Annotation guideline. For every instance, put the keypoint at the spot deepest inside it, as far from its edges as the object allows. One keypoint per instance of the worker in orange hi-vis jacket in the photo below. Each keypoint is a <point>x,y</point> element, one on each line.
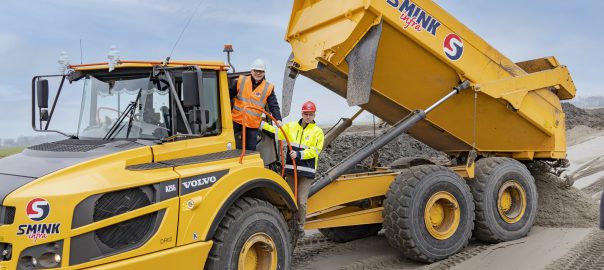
<point>252,91</point>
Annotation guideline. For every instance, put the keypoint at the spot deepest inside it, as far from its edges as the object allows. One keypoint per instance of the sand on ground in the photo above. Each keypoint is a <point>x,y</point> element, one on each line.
<point>536,251</point>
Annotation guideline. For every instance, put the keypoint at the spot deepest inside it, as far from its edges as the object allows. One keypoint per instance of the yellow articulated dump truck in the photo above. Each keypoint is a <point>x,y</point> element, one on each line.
<point>151,179</point>
<point>415,66</point>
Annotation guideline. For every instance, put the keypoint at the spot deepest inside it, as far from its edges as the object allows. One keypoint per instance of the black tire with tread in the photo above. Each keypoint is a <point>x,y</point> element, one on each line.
<point>350,233</point>
<point>404,207</point>
<point>490,175</point>
<point>244,218</point>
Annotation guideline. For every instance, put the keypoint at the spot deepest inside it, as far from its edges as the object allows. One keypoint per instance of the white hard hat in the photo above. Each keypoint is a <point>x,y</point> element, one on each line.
<point>258,65</point>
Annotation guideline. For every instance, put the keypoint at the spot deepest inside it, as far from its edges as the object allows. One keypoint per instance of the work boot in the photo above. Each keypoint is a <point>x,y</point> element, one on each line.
<point>301,219</point>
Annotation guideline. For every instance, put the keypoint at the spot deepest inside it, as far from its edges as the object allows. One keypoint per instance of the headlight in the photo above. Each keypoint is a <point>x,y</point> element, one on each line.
<point>50,260</point>
<point>43,256</point>
<point>27,263</point>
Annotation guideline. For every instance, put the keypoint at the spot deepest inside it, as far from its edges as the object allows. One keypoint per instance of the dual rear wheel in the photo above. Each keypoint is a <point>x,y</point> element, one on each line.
<point>430,212</point>
<point>506,199</point>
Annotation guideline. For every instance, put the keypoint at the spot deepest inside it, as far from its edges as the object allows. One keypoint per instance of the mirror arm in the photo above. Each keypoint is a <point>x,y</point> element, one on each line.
<point>202,107</point>
<point>40,116</point>
<point>54,103</point>
<point>176,100</point>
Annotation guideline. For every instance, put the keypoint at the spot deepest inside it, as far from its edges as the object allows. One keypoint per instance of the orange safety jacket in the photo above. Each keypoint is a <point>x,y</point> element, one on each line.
<point>255,98</point>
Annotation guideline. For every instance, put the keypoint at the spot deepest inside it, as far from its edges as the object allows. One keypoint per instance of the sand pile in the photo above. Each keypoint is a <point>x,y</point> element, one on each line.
<point>576,116</point>
<point>559,204</point>
<point>403,146</point>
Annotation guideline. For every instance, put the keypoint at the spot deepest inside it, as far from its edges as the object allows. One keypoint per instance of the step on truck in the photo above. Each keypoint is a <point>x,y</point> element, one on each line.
<point>415,66</point>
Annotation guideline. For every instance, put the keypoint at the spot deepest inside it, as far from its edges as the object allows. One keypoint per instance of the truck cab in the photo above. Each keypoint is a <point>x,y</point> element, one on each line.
<point>150,179</point>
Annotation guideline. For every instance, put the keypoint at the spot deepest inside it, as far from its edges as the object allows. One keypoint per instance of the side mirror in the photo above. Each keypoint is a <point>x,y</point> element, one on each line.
<point>42,93</point>
<point>190,89</point>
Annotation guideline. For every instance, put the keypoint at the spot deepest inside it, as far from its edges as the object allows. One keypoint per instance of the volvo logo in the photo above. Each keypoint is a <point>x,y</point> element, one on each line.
<point>199,182</point>
<point>38,209</point>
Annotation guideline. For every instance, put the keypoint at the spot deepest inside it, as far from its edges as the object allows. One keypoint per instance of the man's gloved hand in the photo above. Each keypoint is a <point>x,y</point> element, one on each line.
<point>293,154</point>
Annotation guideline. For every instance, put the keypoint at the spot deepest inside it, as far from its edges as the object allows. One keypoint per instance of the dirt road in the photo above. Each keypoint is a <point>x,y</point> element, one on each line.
<point>538,250</point>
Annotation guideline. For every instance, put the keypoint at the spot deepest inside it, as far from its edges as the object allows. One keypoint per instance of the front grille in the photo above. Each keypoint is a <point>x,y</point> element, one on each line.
<point>128,233</point>
<point>7,215</point>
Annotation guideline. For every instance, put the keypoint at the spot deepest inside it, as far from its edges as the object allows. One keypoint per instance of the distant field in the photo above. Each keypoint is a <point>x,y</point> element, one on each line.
<point>10,151</point>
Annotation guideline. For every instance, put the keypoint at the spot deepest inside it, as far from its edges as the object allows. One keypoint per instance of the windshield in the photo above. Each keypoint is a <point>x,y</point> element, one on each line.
<point>123,109</point>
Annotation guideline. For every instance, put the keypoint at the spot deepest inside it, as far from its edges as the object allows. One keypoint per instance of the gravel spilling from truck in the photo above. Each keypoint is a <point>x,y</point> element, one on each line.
<point>561,205</point>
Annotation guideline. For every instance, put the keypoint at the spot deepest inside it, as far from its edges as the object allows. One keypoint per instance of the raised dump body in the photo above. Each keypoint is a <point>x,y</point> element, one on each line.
<point>410,54</point>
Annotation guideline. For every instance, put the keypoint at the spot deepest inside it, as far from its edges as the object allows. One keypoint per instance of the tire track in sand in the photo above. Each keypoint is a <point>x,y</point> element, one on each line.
<point>588,254</point>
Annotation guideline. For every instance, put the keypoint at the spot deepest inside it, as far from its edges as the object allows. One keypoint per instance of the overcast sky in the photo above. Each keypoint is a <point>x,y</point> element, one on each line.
<point>33,34</point>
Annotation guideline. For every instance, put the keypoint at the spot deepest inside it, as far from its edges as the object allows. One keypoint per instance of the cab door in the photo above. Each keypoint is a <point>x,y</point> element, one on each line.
<point>213,143</point>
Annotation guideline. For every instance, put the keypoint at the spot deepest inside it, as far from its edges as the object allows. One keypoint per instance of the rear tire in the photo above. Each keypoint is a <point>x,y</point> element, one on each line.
<point>428,213</point>
<point>350,233</point>
<point>506,196</point>
<point>253,232</point>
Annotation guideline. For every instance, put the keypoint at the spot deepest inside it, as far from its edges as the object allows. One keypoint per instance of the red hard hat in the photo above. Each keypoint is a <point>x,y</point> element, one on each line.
<point>309,107</point>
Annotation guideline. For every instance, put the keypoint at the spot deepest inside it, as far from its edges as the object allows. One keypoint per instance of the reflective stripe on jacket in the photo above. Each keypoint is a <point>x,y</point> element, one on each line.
<point>308,142</point>
<point>247,96</point>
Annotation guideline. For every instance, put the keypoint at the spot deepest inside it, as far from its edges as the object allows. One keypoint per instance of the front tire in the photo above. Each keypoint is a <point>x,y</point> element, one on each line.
<point>428,213</point>
<point>252,235</point>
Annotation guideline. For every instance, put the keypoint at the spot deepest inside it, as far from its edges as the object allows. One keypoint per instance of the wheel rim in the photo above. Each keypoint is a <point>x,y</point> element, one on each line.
<point>511,201</point>
<point>258,253</point>
<point>442,215</point>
